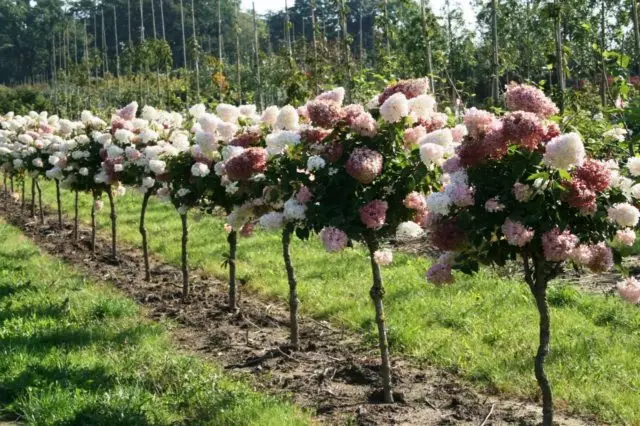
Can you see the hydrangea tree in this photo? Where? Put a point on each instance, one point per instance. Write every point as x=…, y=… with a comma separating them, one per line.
x=520, y=190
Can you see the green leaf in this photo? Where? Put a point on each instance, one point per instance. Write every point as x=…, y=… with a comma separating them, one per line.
x=539, y=175
x=564, y=175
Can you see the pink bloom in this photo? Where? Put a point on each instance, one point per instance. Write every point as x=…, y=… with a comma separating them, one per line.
x=524, y=129
x=415, y=201
x=246, y=140
x=594, y=174
x=522, y=192
x=558, y=245
x=244, y=166
x=352, y=112
x=333, y=151
x=304, y=195
x=436, y=120
x=581, y=254
x=383, y=257
x=601, y=259
x=446, y=235
x=129, y=112
x=458, y=133
x=477, y=121
x=312, y=135
x=324, y=114
x=629, y=290
x=247, y=229
x=516, y=233
x=364, y=125
x=410, y=89
x=374, y=213
x=335, y=96
x=439, y=274
x=333, y=239
x=452, y=165
x=364, y=165
x=493, y=205
x=579, y=195
x=522, y=97
x=303, y=113
x=626, y=237
x=461, y=195
x=413, y=134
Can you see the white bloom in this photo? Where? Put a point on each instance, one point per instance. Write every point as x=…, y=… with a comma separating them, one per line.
x=54, y=173
x=565, y=151
x=373, y=103
x=598, y=116
x=197, y=110
x=66, y=127
x=164, y=194
x=206, y=141
x=294, y=210
x=272, y=221
x=121, y=190
x=278, y=141
x=232, y=188
x=37, y=162
x=383, y=257
x=149, y=113
x=270, y=115
x=148, y=182
x=431, y=153
x=227, y=130
x=200, y=169
x=442, y=137
x=248, y=110
x=182, y=192
x=208, y=122
x=114, y=151
x=624, y=215
x=86, y=116
x=54, y=159
x=617, y=133
x=147, y=135
x=218, y=168
x=230, y=151
x=422, y=106
x=124, y=136
x=287, y=118
x=118, y=168
x=84, y=171
x=438, y=203
x=101, y=178
x=315, y=162
x=395, y=108
x=157, y=166
x=633, y=164
x=228, y=113
x=408, y=231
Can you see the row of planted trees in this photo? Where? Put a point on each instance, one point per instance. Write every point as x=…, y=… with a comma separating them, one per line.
x=393, y=169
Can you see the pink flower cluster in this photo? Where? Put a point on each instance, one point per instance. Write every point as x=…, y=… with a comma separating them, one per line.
x=452, y=165
x=522, y=97
x=242, y=167
x=629, y=290
x=374, y=213
x=522, y=192
x=557, y=245
x=364, y=165
x=597, y=257
x=333, y=239
x=409, y=88
x=625, y=237
x=412, y=135
x=478, y=121
x=415, y=201
x=516, y=233
x=462, y=195
x=440, y=273
x=313, y=135
x=324, y=114
x=524, y=129
x=304, y=195
x=446, y=235
x=246, y=140
x=587, y=181
x=128, y=113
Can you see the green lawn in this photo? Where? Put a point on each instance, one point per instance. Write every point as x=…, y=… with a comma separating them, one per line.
x=73, y=352
x=483, y=328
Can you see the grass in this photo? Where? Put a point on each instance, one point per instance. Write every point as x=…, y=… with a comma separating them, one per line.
x=483, y=328
x=72, y=352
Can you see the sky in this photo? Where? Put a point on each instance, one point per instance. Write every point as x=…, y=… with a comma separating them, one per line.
x=263, y=6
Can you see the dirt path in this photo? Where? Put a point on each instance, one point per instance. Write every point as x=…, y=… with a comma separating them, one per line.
x=334, y=374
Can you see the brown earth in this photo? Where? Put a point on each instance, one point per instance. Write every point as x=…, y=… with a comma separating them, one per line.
x=334, y=374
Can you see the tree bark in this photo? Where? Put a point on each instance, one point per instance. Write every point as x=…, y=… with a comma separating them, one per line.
x=23, y=201
x=93, y=225
x=143, y=233
x=232, y=239
x=427, y=46
x=58, y=203
x=12, y=188
x=495, y=82
x=33, y=198
x=41, y=213
x=539, y=290
x=185, y=265
x=636, y=33
x=75, y=217
x=559, y=54
x=112, y=207
x=377, y=293
x=293, y=292
x=260, y=96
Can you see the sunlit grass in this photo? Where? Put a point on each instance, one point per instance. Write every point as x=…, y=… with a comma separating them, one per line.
x=484, y=327
x=72, y=352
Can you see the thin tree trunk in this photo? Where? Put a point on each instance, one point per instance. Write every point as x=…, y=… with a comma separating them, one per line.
x=427, y=46
x=603, y=76
x=257, y=59
x=287, y=34
x=387, y=35
x=75, y=217
x=219, y=33
x=360, y=36
x=23, y=201
x=12, y=187
x=93, y=225
x=143, y=233
x=185, y=267
x=58, y=203
x=33, y=198
x=141, y=23
x=293, y=292
x=184, y=40
x=495, y=82
x=539, y=291
x=164, y=36
x=345, y=50
x=41, y=213
x=314, y=41
x=196, y=52
x=636, y=33
x=112, y=206
x=559, y=55
x=232, y=239
x=377, y=293
x=238, y=78
x=6, y=193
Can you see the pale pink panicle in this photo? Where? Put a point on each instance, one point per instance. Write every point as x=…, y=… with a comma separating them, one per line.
x=98, y=205
x=624, y=214
x=461, y=194
x=364, y=125
x=439, y=274
x=436, y=120
x=351, y=112
x=374, y=213
x=335, y=96
x=333, y=239
x=579, y=195
x=313, y=135
x=383, y=257
x=524, y=129
x=477, y=121
x=522, y=192
x=558, y=245
x=128, y=112
x=452, y=165
x=409, y=88
x=493, y=205
x=459, y=132
x=242, y=167
x=304, y=195
x=516, y=233
x=626, y=237
x=246, y=230
x=601, y=258
x=364, y=165
x=415, y=201
x=447, y=258
x=581, y=255
x=522, y=97
x=303, y=113
x=412, y=135
x=324, y=114
x=594, y=174
x=629, y=290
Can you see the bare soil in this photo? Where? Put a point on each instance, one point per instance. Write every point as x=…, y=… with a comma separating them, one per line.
x=334, y=374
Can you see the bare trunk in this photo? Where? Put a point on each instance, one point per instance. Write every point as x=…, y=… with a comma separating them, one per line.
x=185, y=265
x=495, y=82
x=93, y=225
x=636, y=33
x=293, y=292
x=58, y=203
x=377, y=293
x=314, y=42
x=257, y=59
x=238, y=78
x=346, y=54
x=75, y=217
x=33, y=198
x=387, y=37
x=539, y=291
x=143, y=233
x=41, y=213
x=603, y=47
x=232, y=239
x=112, y=206
x=23, y=201
x=196, y=52
x=559, y=55
x=427, y=46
